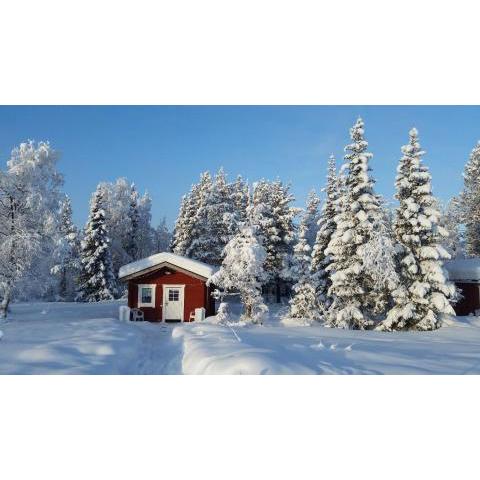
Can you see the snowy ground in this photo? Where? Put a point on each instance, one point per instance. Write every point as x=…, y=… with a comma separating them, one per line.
x=88, y=339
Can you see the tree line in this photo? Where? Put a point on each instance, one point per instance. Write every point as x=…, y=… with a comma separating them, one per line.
x=351, y=262
x=43, y=255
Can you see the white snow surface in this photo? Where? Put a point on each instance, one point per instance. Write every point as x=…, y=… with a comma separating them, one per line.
x=463, y=269
x=193, y=266
x=76, y=338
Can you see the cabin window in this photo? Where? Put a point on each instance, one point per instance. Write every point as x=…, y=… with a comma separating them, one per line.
x=173, y=295
x=146, y=295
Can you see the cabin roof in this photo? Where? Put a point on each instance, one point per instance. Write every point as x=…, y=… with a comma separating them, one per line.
x=148, y=264
x=464, y=269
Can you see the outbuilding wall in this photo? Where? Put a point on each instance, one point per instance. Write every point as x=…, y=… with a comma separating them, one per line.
x=471, y=298
x=196, y=293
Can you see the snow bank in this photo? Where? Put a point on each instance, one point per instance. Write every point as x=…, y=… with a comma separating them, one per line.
x=467, y=269
x=216, y=350
x=42, y=338
x=193, y=266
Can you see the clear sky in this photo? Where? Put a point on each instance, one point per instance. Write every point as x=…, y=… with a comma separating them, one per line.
x=164, y=149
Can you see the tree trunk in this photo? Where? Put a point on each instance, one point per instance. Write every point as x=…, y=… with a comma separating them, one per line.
x=277, y=290
x=5, y=302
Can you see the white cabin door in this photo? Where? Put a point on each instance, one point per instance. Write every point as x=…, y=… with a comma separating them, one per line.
x=173, y=302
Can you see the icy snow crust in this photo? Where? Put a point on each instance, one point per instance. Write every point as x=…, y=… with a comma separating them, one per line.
x=464, y=269
x=87, y=338
x=193, y=266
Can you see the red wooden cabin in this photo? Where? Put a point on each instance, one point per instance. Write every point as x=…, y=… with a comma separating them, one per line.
x=168, y=287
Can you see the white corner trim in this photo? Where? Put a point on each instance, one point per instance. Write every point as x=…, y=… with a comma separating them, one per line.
x=139, y=300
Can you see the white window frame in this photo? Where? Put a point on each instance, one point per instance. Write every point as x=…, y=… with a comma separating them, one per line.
x=146, y=285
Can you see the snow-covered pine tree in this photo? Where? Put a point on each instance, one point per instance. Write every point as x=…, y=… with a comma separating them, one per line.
x=423, y=297
x=352, y=285
x=311, y=217
x=303, y=304
x=66, y=253
x=216, y=223
x=272, y=216
x=161, y=237
x=470, y=202
x=183, y=230
x=128, y=221
x=241, y=198
x=131, y=242
x=326, y=228
x=177, y=244
x=379, y=260
x=201, y=241
x=451, y=219
x=242, y=271
x=96, y=281
x=146, y=233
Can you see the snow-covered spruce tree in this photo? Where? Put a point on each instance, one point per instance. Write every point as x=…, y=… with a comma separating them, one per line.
x=201, y=241
x=451, y=219
x=272, y=216
x=303, y=304
x=216, y=223
x=470, y=202
x=242, y=271
x=241, y=199
x=326, y=228
x=312, y=217
x=146, y=232
x=184, y=225
x=96, y=281
x=66, y=254
x=379, y=260
x=161, y=237
x=128, y=221
x=131, y=241
x=423, y=297
x=353, y=286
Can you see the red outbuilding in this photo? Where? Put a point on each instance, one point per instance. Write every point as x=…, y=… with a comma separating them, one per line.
x=465, y=273
x=168, y=287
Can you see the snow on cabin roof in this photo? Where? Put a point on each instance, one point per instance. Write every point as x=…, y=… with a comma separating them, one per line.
x=184, y=263
x=467, y=269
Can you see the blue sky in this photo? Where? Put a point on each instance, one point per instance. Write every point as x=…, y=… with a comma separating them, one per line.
x=163, y=149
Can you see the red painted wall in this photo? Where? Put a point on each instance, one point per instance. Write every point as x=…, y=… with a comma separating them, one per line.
x=471, y=298
x=197, y=294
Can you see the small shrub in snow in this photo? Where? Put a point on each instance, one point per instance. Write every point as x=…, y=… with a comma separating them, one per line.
x=242, y=271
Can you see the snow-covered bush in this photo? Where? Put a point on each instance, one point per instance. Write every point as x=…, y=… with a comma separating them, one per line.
x=242, y=271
